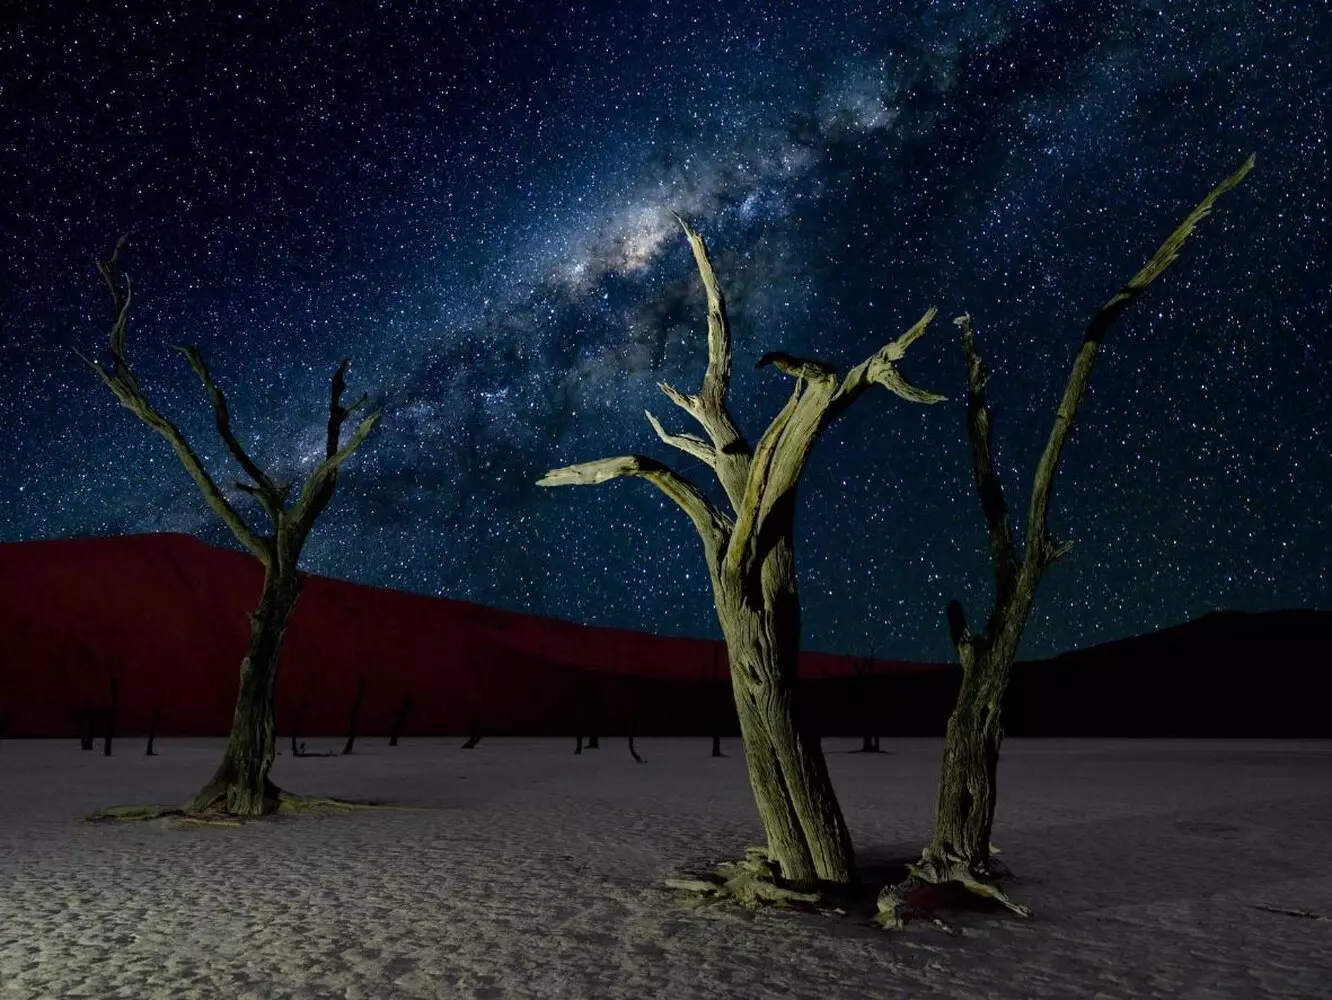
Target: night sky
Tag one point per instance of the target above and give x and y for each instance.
(471, 202)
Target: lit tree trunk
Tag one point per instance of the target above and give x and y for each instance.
(959, 850)
(751, 563)
(241, 780)
(241, 786)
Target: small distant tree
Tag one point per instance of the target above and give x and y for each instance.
(864, 668)
(297, 716)
(354, 715)
(751, 563)
(715, 708)
(241, 785)
(152, 730)
(399, 720)
(960, 851)
(85, 723)
(109, 732)
(632, 686)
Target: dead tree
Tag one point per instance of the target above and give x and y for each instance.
(399, 720)
(241, 785)
(152, 731)
(864, 671)
(355, 714)
(751, 563)
(109, 733)
(959, 850)
(297, 751)
(714, 709)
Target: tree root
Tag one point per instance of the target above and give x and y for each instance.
(190, 816)
(754, 883)
(896, 910)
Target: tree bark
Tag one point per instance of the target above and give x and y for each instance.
(241, 784)
(751, 565)
(807, 834)
(964, 812)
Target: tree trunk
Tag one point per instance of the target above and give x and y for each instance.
(716, 746)
(355, 713)
(241, 783)
(86, 729)
(964, 814)
(807, 835)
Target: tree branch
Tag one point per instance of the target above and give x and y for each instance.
(1038, 549)
(689, 443)
(879, 369)
(709, 406)
(223, 420)
(988, 486)
(713, 527)
(319, 485)
(120, 380)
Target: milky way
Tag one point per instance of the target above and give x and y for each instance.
(473, 202)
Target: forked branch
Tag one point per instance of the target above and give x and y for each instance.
(122, 383)
(1038, 548)
(713, 527)
(731, 451)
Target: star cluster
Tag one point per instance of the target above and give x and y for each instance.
(473, 202)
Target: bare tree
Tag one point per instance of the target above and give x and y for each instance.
(152, 730)
(751, 563)
(865, 689)
(354, 715)
(960, 850)
(399, 720)
(241, 785)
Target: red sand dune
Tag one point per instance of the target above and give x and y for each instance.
(166, 615)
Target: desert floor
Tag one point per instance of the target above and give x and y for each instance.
(1153, 868)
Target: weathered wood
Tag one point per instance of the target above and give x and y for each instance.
(959, 850)
(240, 785)
(751, 566)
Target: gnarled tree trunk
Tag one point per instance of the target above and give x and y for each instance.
(241, 783)
(751, 563)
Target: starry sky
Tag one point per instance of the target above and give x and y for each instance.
(472, 202)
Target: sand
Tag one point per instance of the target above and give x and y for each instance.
(529, 872)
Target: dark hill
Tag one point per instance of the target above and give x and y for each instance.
(166, 616)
